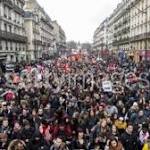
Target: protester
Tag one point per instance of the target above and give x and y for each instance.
(75, 104)
(113, 144)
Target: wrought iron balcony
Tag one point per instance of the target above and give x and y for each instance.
(7, 3)
(43, 43)
(141, 37)
(37, 42)
(121, 41)
(12, 37)
(126, 30)
(125, 21)
(22, 1)
(46, 21)
(10, 4)
(19, 10)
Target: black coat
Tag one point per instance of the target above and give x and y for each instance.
(37, 144)
(16, 135)
(27, 133)
(129, 141)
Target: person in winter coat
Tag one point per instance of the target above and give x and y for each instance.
(128, 139)
(3, 141)
(146, 145)
(37, 142)
(144, 133)
(80, 142)
(45, 131)
(114, 132)
(17, 131)
(5, 126)
(120, 124)
(114, 144)
(17, 145)
(141, 117)
(58, 144)
(27, 132)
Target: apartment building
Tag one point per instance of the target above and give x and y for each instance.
(59, 36)
(140, 29)
(129, 29)
(13, 40)
(96, 38)
(110, 32)
(121, 27)
(101, 36)
(39, 29)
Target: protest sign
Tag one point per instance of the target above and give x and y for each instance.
(107, 86)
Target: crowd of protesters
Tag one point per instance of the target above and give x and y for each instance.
(62, 105)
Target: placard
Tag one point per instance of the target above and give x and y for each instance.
(107, 86)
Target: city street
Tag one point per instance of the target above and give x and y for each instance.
(63, 88)
(65, 102)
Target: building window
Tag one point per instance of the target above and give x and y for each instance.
(5, 12)
(5, 26)
(11, 57)
(14, 29)
(6, 45)
(15, 17)
(11, 48)
(0, 45)
(10, 28)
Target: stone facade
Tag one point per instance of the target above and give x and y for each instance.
(13, 40)
(39, 29)
(59, 36)
(129, 29)
(101, 36)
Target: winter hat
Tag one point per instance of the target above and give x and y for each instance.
(135, 104)
(26, 122)
(121, 118)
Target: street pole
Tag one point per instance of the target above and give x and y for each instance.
(146, 31)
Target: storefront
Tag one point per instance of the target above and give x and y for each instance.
(141, 55)
(147, 55)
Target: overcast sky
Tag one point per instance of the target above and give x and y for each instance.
(79, 18)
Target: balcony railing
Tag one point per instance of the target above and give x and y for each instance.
(46, 21)
(37, 42)
(43, 43)
(11, 5)
(7, 3)
(22, 1)
(125, 21)
(121, 41)
(19, 10)
(141, 37)
(12, 36)
(126, 30)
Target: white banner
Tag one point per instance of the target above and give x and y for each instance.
(107, 86)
